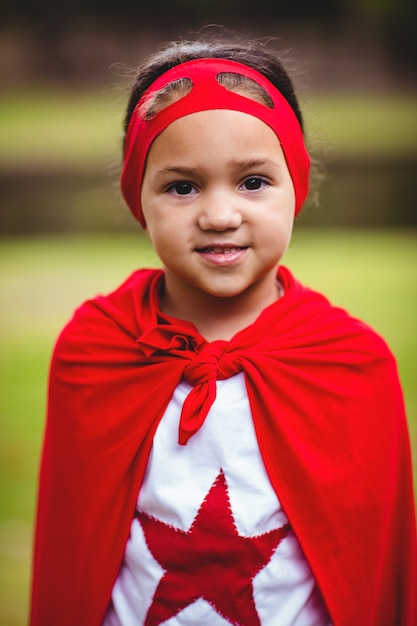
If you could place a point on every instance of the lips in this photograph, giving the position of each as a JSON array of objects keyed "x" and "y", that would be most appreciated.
[
  {"x": 221, "y": 249},
  {"x": 222, "y": 254}
]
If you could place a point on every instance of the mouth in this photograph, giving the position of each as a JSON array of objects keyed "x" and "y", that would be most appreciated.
[
  {"x": 222, "y": 255},
  {"x": 221, "y": 249}
]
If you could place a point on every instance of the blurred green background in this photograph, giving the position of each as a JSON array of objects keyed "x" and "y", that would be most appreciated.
[{"x": 65, "y": 234}]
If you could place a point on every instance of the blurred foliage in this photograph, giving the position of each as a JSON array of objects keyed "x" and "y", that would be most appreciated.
[
  {"x": 23, "y": 10},
  {"x": 395, "y": 19},
  {"x": 166, "y": 9}
]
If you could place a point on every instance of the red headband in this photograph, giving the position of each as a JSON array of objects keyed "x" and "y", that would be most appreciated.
[{"x": 208, "y": 94}]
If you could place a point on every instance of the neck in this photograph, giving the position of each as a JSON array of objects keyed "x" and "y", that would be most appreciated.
[{"x": 220, "y": 317}]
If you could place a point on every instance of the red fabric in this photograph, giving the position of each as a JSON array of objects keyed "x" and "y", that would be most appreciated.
[
  {"x": 329, "y": 418},
  {"x": 197, "y": 562},
  {"x": 207, "y": 94}
]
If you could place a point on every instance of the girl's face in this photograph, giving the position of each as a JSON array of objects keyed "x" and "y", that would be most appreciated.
[{"x": 219, "y": 206}]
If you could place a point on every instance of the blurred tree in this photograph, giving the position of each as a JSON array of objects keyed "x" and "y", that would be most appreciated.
[
  {"x": 102, "y": 10},
  {"x": 395, "y": 19}
]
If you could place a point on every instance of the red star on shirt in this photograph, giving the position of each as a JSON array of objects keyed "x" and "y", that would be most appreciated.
[{"x": 210, "y": 561}]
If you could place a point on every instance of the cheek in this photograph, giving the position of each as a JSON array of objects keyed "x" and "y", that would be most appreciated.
[
  {"x": 165, "y": 234},
  {"x": 146, "y": 205},
  {"x": 156, "y": 221},
  {"x": 276, "y": 232},
  {"x": 276, "y": 244}
]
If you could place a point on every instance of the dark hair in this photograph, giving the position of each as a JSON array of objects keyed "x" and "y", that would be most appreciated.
[{"x": 252, "y": 53}]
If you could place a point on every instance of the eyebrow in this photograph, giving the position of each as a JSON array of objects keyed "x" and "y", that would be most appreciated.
[{"x": 244, "y": 164}]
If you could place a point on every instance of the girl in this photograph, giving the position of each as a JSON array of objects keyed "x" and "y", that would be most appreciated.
[{"x": 223, "y": 446}]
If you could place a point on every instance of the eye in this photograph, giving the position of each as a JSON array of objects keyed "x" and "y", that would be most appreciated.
[
  {"x": 254, "y": 183},
  {"x": 182, "y": 188}
]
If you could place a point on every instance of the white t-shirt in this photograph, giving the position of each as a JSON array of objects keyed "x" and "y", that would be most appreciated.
[{"x": 211, "y": 544}]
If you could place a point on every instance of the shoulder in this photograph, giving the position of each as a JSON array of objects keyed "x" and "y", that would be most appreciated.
[
  {"x": 342, "y": 353},
  {"x": 329, "y": 326},
  {"x": 119, "y": 315}
]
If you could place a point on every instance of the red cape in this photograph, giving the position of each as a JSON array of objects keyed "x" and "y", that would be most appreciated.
[{"x": 329, "y": 416}]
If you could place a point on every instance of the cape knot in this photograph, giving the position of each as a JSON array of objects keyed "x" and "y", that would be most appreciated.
[
  {"x": 212, "y": 362},
  {"x": 166, "y": 339}
]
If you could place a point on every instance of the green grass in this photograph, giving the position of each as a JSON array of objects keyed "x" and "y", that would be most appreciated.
[
  {"x": 373, "y": 274},
  {"x": 78, "y": 129},
  {"x": 60, "y": 129},
  {"x": 366, "y": 125}
]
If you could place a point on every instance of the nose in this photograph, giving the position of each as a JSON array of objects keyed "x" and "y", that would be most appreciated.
[{"x": 219, "y": 211}]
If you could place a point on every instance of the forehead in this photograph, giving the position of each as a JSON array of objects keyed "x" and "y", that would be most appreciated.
[{"x": 216, "y": 135}]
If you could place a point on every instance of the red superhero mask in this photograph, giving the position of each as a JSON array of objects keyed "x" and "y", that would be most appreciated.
[{"x": 207, "y": 94}]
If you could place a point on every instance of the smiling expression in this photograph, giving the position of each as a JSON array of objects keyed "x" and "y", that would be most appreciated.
[{"x": 219, "y": 206}]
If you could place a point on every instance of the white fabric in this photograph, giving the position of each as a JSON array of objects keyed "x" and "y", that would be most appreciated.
[{"x": 178, "y": 479}]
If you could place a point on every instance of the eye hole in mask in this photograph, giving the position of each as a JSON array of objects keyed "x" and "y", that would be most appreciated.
[{"x": 177, "y": 89}]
